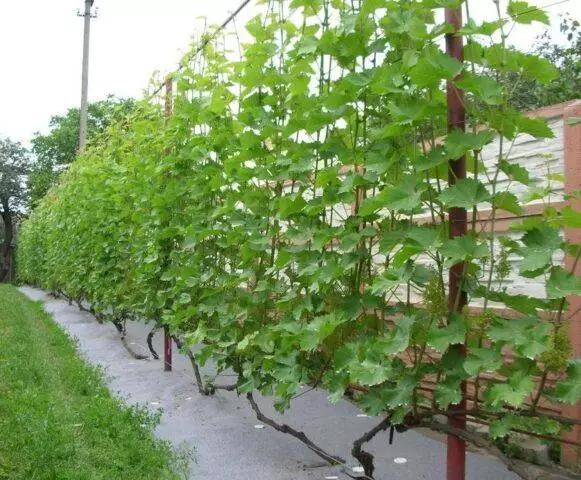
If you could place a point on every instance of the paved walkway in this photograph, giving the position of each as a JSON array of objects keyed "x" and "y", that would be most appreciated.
[{"x": 221, "y": 429}]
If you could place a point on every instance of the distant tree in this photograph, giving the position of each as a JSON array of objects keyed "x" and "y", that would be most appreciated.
[
  {"x": 59, "y": 147},
  {"x": 14, "y": 167},
  {"x": 565, "y": 54}
]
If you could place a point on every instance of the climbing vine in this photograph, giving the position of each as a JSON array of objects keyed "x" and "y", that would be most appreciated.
[{"x": 291, "y": 217}]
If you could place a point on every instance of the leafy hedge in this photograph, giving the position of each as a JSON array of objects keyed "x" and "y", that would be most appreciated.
[{"x": 292, "y": 215}]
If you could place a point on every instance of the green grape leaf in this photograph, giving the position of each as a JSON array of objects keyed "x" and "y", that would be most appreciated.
[
  {"x": 569, "y": 218},
  {"x": 368, "y": 373},
  {"x": 540, "y": 244},
  {"x": 524, "y": 12},
  {"x": 529, "y": 335},
  {"x": 307, "y": 45},
  {"x": 151, "y": 258},
  {"x": 359, "y": 79},
  {"x": 485, "y": 28},
  {"x": 404, "y": 196},
  {"x": 344, "y": 356},
  {"x": 540, "y": 69},
  {"x": 435, "y": 157},
  {"x": 482, "y": 360},
  {"x": 464, "y": 194},
  {"x": 459, "y": 143},
  {"x": 448, "y": 392},
  {"x": 569, "y": 390},
  {"x": 312, "y": 334},
  {"x": 441, "y": 338},
  {"x": 398, "y": 337},
  {"x": 408, "y": 111},
  {"x": 372, "y": 403},
  {"x": 536, "y": 127},
  {"x": 425, "y": 236},
  {"x": 515, "y": 172},
  {"x": 512, "y": 393},
  {"x": 291, "y": 205},
  {"x": 485, "y": 88},
  {"x": 185, "y": 298},
  {"x": 561, "y": 283},
  {"x": 511, "y": 330},
  {"x": 350, "y": 241},
  {"x": 400, "y": 394},
  {"x": 433, "y": 67},
  {"x": 390, "y": 279},
  {"x": 501, "y": 427},
  {"x": 167, "y": 276},
  {"x": 507, "y": 201},
  {"x": 464, "y": 248}
]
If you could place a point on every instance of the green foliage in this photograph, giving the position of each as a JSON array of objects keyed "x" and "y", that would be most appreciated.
[
  {"x": 14, "y": 166},
  {"x": 564, "y": 52},
  {"x": 569, "y": 390},
  {"x": 291, "y": 214},
  {"x": 523, "y": 12},
  {"x": 58, "y": 148}
]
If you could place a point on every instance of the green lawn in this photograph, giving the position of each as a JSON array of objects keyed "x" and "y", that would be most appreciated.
[{"x": 57, "y": 418}]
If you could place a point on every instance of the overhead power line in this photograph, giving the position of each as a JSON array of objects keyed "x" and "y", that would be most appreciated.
[
  {"x": 208, "y": 39},
  {"x": 542, "y": 7}
]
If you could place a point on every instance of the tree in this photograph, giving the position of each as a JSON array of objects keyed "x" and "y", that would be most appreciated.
[
  {"x": 59, "y": 147},
  {"x": 566, "y": 56},
  {"x": 14, "y": 166}
]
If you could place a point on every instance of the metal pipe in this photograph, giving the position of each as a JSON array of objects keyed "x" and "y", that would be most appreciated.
[
  {"x": 456, "y": 447},
  {"x": 167, "y": 350}
]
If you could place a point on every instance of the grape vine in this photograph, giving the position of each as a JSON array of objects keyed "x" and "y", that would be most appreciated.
[{"x": 291, "y": 217}]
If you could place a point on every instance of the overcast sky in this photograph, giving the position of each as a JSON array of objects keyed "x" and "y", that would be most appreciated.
[{"x": 41, "y": 44}]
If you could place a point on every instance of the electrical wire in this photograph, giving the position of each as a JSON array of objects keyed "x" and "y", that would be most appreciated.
[
  {"x": 542, "y": 7},
  {"x": 208, "y": 39}
]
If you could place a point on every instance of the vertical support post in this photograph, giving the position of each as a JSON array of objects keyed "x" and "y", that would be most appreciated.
[
  {"x": 571, "y": 454},
  {"x": 359, "y": 198},
  {"x": 167, "y": 350},
  {"x": 167, "y": 340},
  {"x": 84, "y": 113},
  {"x": 456, "y": 447}
]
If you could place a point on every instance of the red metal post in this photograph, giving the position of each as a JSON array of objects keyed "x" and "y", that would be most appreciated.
[
  {"x": 456, "y": 448},
  {"x": 167, "y": 350},
  {"x": 167, "y": 340}
]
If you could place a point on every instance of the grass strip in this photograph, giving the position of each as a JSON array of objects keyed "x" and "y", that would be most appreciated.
[{"x": 58, "y": 420}]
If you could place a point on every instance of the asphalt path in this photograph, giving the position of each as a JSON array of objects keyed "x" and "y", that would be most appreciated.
[{"x": 229, "y": 443}]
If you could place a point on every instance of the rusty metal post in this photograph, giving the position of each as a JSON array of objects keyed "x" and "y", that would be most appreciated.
[
  {"x": 167, "y": 340},
  {"x": 456, "y": 447},
  {"x": 167, "y": 350}
]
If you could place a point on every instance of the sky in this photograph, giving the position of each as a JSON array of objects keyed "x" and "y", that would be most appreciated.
[{"x": 41, "y": 44}]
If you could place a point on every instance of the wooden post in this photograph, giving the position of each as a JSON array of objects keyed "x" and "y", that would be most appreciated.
[
  {"x": 456, "y": 447},
  {"x": 570, "y": 454}
]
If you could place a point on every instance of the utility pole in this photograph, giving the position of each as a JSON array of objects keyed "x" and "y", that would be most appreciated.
[{"x": 85, "y": 75}]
